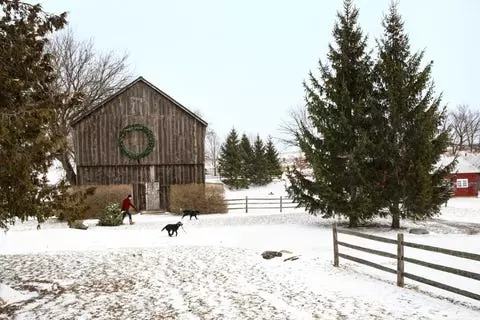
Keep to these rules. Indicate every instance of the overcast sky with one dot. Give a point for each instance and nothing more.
(242, 63)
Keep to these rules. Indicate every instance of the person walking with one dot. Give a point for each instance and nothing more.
(126, 204)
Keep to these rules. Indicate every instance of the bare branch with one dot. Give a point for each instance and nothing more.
(464, 126)
(297, 118)
(84, 78)
(212, 147)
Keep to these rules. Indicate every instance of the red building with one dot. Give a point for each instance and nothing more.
(465, 178)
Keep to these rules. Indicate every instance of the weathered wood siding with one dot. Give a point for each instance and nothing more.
(165, 174)
(177, 157)
(179, 138)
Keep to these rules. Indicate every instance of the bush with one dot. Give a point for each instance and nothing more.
(104, 195)
(111, 215)
(73, 205)
(206, 198)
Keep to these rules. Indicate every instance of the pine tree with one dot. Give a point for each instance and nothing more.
(338, 148)
(409, 120)
(274, 167)
(246, 154)
(230, 162)
(27, 146)
(259, 163)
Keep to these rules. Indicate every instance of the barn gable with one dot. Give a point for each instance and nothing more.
(82, 115)
(178, 150)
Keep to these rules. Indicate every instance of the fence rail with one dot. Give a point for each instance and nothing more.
(401, 259)
(247, 203)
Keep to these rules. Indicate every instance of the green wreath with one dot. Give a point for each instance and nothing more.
(150, 141)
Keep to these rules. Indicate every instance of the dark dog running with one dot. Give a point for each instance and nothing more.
(173, 228)
(191, 213)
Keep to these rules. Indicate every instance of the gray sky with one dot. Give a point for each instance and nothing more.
(242, 63)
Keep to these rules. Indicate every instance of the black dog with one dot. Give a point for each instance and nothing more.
(171, 228)
(191, 213)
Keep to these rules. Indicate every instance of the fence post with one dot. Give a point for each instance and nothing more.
(400, 262)
(280, 203)
(335, 245)
(246, 204)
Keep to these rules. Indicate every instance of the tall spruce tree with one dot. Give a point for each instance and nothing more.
(246, 155)
(230, 162)
(409, 119)
(259, 163)
(338, 148)
(274, 167)
(26, 112)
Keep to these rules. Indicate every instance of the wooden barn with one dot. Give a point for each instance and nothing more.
(140, 136)
(465, 178)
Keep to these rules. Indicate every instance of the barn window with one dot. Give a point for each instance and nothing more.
(462, 183)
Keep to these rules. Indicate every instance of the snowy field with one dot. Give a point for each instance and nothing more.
(214, 270)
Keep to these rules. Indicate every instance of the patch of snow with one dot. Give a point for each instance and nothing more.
(214, 270)
(10, 296)
(55, 173)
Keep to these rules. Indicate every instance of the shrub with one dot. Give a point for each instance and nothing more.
(73, 206)
(111, 215)
(215, 199)
(104, 194)
(206, 198)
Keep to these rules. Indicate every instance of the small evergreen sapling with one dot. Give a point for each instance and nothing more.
(111, 215)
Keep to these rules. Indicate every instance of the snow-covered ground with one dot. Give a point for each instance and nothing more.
(214, 270)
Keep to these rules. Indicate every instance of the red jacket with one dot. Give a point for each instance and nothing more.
(126, 203)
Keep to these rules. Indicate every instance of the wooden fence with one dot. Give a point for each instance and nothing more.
(400, 272)
(247, 203)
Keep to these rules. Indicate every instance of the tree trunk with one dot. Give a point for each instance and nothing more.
(353, 222)
(395, 212)
(70, 174)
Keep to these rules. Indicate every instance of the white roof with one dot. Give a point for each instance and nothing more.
(464, 164)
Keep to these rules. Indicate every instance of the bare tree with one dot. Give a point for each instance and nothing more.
(291, 128)
(473, 129)
(212, 146)
(82, 72)
(459, 124)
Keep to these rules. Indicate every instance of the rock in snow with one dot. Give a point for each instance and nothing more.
(271, 254)
(78, 224)
(285, 253)
(418, 231)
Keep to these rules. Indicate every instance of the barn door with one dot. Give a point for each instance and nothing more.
(153, 195)
(164, 198)
(139, 195)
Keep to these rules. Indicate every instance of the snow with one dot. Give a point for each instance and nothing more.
(55, 173)
(214, 270)
(465, 164)
(9, 295)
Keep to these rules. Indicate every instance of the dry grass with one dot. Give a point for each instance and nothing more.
(104, 194)
(208, 198)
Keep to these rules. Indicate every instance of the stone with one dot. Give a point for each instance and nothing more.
(418, 231)
(78, 224)
(271, 254)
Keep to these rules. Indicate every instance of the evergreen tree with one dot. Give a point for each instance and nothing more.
(246, 154)
(274, 167)
(230, 162)
(409, 120)
(337, 145)
(259, 163)
(26, 112)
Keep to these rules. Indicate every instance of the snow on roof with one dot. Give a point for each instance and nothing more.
(464, 164)
(474, 159)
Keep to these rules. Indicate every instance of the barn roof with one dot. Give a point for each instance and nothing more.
(82, 115)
